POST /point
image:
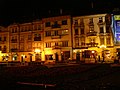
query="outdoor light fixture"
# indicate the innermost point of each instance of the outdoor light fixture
(37, 50)
(103, 54)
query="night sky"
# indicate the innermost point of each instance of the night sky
(26, 10)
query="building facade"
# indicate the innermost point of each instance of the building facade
(93, 38)
(59, 39)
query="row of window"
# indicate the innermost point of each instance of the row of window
(3, 38)
(81, 20)
(57, 44)
(35, 27)
(56, 32)
(25, 28)
(48, 24)
(81, 41)
(91, 29)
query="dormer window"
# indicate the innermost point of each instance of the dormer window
(47, 24)
(81, 21)
(76, 22)
(100, 20)
(91, 20)
(55, 22)
(64, 22)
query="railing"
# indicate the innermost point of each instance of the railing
(92, 44)
(56, 37)
(56, 47)
(56, 26)
(14, 50)
(92, 33)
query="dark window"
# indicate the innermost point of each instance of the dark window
(4, 38)
(48, 57)
(76, 22)
(0, 48)
(76, 31)
(29, 37)
(64, 22)
(107, 29)
(37, 37)
(82, 30)
(55, 22)
(100, 20)
(91, 20)
(56, 43)
(48, 45)
(65, 43)
(48, 33)
(47, 24)
(101, 30)
(55, 32)
(0, 39)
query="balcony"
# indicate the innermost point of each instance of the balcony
(14, 41)
(91, 24)
(4, 50)
(76, 35)
(101, 23)
(81, 47)
(2, 42)
(92, 33)
(79, 25)
(56, 26)
(37, 38)
(55, 36)
(14, 50)
(92, 44)
(56, 47)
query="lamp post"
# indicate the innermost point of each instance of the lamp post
(103, 49)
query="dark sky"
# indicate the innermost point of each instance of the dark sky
(23, 10)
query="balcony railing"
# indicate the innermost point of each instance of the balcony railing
(4, 50)
(81, 47)
(92, 44)
(79, 25)
(76, 35)
(56, 26)
(91, 24)
(56, 47)
(55, 36)
(93, 33)
(14, 40)
(101, 23)
(14, 50)
(37, 38)
(2, 42)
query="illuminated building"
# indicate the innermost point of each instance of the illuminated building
(4, 44)
(89, 34)
(116, 32)
(25, 39)
(88, 38)
(57, 38)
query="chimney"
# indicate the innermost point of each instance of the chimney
(49, 11)
(92, 5)
(61, 11)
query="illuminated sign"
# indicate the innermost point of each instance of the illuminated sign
(117, 26)
(118, 36)
(117, 17)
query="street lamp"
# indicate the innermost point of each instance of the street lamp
(103, 48)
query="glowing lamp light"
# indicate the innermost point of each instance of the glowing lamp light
(93, 51)
(102, 46)
(37, 50)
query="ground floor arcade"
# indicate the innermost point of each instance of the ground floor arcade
(63, 55)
